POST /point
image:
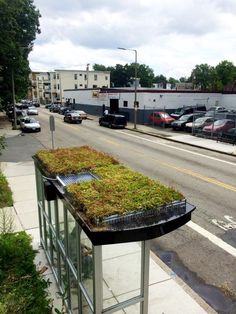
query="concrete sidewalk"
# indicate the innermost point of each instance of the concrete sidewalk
(184, 138)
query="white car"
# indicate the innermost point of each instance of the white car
(81, 113)
(32, 111)
(28, 124)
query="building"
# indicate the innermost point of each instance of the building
(121, 100)
(49, 86)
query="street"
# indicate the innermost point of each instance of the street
(202, 252)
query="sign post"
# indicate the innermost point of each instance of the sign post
(52, 128)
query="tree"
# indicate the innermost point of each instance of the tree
(226, 72)
(172, 80)
(19, 24)
(99, 67)
(160, 79)
(203, 75)
(144, 73)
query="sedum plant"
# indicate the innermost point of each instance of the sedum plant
(118, 191)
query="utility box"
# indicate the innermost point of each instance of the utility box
(86, 243)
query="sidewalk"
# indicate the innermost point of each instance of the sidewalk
(184, 138)
(167, 293)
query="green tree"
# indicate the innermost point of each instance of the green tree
(99, 67)
(144, 73)
(19, 24)
(202, 76)
(160, 79)
(226, 72)
(172, 80)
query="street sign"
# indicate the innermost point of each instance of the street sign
(52, 128)
(52, 123)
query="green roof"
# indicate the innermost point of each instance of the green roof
(119, 190)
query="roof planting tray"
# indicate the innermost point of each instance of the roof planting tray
(112, 203)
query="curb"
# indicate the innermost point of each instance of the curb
(176, 141)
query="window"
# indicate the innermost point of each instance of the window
(95, 86)
(85, 76)
(125, 103)
(54, 76)
(76, 86)
(80, 74)
(75, 76)
(58, 76)
(81, 85)
(106, 78)
(95, 77)
(58, 86)
(55, 86)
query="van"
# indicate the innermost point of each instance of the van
(113, 121)
(187, 110)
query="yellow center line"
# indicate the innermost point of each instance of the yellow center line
(196, 175)
(109, 141)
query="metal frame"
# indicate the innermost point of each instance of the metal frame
(57, 247)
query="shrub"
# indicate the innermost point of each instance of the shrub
(22, 289)
(5, 192)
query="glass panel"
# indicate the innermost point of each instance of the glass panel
(47, 235)
(39, 180)
(87, 264)
(63, 279)
(54, 254)
(53, 216)
(61, 219)
(72, 241)
(74, 294)
(120, 277)
(86, 309)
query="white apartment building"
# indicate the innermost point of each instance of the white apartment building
(49, 86)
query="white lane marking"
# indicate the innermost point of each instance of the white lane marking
(214, 239)
(178, 148)
(225, 225)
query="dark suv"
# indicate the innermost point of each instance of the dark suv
(113, 121)
(187, 110)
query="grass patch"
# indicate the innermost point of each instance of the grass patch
(5, 192)
(119, 190)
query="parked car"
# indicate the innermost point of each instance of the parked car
(161, 118)
(198, 124)
(32, 111)
(54, 108)
(183, 120)
(113, 121)
(228, 136)
(218, 109)
(218, 126)
(64, 109)
(72, 117)
(82, 113)
(188, 110)
(29, 124)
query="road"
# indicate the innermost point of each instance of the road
(203, 252)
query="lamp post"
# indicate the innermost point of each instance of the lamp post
(135, 84)
(13, 98)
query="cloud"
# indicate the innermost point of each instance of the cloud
(170, 35)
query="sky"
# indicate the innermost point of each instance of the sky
(170, 36)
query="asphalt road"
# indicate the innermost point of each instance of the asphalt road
(203, 252)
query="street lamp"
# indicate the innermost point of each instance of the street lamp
(135, 84)
(13, 98)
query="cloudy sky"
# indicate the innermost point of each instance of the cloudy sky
(170, 36)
